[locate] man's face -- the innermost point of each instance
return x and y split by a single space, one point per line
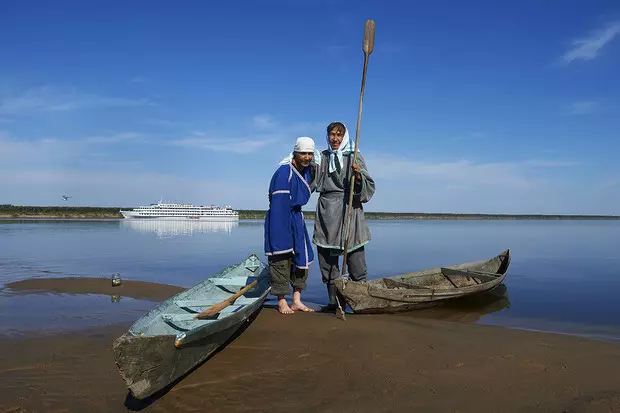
335 138
302 159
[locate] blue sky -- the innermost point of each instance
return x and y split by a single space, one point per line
471 107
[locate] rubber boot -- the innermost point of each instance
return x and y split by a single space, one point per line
331 294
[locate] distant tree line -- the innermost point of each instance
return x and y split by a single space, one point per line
18 211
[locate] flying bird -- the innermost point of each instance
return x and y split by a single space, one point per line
65 197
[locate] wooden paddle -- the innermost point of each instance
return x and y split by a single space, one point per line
216 308
367 46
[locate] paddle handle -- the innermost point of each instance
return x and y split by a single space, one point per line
216 308
367 46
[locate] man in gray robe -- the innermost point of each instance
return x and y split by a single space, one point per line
332 182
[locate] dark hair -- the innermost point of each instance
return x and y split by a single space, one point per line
336 125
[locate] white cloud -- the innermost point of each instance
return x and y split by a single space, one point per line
138 79
264 122
583 107
588 48
12 150
263 130
467 186
44 187
462 173
469 136
231 145
48 98
549 164
167 123
38 172
465 175
54 152
9 143
116 138
315 130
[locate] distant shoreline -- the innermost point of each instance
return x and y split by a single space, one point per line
61 212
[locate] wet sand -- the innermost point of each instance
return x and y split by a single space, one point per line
139 290
317 363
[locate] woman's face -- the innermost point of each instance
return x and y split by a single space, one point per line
302 159
335 138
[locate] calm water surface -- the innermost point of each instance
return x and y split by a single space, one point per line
564 275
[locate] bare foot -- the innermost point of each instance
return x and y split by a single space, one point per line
283 307
299 306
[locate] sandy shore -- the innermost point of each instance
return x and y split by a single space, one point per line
315 362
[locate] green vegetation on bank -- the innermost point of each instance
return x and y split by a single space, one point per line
17 211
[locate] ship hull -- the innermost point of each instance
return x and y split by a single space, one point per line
132 215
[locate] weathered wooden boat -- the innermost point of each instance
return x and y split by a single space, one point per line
185 330
424 288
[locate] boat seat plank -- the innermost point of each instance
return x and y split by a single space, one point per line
232 281
183 318
179 318
207 302
402 283
483 276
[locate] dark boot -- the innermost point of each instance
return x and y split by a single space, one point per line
331 294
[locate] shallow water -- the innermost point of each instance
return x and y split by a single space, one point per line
563 274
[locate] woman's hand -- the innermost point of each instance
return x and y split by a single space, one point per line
357 172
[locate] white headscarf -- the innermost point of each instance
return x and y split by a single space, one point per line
346 147
303 144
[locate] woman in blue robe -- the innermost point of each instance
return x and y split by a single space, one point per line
287 243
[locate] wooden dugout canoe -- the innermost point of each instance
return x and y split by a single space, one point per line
424 288
169 341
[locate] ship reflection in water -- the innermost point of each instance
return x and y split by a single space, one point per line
173 228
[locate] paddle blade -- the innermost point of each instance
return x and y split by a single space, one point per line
369 37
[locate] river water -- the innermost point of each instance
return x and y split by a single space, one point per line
564 275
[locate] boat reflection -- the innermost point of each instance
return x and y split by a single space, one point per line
173 228
468 309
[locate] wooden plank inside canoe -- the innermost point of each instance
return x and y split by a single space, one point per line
402 283
232 281
181 318
483 276
209 302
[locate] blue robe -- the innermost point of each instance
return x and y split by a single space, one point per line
285 228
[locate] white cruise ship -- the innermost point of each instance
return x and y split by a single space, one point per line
165 211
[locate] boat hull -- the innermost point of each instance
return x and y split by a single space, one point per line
149 364
422 289
168 342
